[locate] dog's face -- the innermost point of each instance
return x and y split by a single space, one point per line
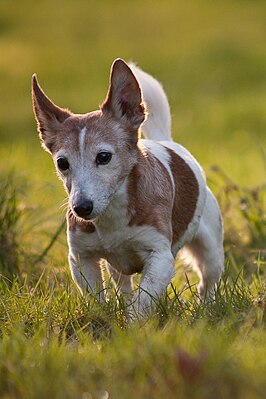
95 152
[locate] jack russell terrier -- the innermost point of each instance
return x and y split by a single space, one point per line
134 203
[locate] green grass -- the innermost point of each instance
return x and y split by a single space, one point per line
210 56
56 343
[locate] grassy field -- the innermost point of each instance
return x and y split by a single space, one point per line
210 57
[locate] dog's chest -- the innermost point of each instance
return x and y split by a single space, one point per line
124 249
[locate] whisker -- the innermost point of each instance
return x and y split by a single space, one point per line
64 204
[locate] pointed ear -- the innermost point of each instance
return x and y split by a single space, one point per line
124 97
49 116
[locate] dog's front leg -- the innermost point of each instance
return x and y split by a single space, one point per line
86 272
157 274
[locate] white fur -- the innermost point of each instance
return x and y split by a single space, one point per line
82 135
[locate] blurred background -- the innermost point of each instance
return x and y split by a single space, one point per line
209 55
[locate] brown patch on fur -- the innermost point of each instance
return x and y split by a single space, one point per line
75 224
150 194
186 194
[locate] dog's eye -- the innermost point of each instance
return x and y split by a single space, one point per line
63 164
103 158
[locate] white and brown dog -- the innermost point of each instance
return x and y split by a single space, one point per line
134 203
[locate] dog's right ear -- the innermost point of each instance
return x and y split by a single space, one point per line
49 116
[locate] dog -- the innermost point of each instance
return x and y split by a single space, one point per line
134 203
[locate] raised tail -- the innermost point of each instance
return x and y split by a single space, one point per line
157 126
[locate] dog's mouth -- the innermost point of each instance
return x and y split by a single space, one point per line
85 218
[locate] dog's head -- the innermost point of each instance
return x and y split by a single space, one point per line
93 153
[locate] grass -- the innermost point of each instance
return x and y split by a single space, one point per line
56 343
210 57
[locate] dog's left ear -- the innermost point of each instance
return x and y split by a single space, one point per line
124 97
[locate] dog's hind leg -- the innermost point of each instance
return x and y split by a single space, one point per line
205 252
122 282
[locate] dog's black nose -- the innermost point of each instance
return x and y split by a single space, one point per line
84 208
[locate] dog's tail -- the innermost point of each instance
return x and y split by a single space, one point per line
157 126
